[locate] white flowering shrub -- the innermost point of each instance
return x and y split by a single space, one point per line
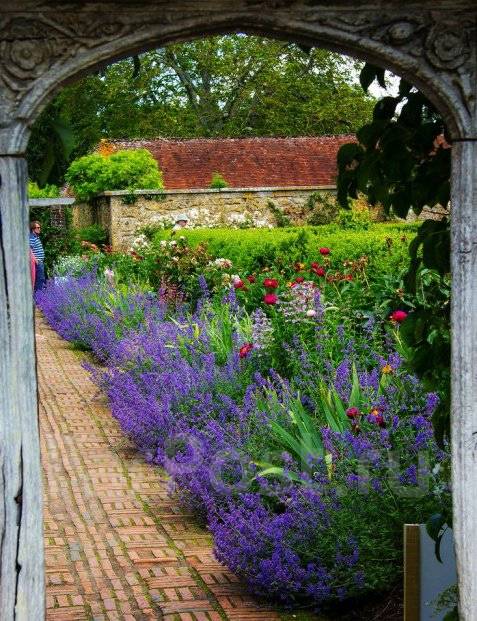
70 265
140 242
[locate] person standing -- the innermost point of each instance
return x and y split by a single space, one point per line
39 254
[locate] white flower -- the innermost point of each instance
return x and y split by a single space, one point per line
311 312
221 263
173 243
163 243
139 242
109 275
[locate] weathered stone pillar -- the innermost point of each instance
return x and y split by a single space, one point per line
21 540
464 369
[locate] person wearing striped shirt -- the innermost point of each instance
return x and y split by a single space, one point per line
39 254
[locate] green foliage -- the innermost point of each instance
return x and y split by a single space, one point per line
448 599
253 250
47 191
218 182
230 86
321 207
402 162
299 436
281 219
354 218
56 241
123 170
51 144
94 234
397 161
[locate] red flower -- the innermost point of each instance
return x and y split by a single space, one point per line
270 283
352 412
314 265
324 251
348 277
270 298
398 316
320 271
245 350
299 279
251 278
239 284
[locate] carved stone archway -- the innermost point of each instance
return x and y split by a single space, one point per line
46 43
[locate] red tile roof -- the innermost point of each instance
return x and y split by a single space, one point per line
245 162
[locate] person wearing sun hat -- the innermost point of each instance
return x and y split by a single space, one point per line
180 223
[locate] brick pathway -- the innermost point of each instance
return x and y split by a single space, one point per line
117 546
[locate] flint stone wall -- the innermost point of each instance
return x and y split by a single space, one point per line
208 208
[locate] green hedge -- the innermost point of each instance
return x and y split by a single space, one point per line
254 249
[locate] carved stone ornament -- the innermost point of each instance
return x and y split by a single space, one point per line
29 47
435 46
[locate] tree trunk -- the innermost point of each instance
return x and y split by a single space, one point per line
21 541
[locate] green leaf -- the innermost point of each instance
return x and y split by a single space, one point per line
369 134
66 135
348 154
368 74
404 87
385 108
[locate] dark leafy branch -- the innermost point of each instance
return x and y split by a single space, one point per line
402 160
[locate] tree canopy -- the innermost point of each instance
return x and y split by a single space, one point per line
224 86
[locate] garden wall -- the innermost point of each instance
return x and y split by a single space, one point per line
208 208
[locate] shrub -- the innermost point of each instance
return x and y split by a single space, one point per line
321 208
130 169
354 218
94 234
218 182
281 219
256 249
57 241
47 191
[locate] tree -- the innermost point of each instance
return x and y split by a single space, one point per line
225 86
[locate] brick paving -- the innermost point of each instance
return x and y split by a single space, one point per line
118 547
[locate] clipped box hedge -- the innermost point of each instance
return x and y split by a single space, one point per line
252 249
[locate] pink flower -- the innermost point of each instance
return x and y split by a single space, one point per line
324 251
270 298
245 350
239 284
270 283
398 316
352 412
